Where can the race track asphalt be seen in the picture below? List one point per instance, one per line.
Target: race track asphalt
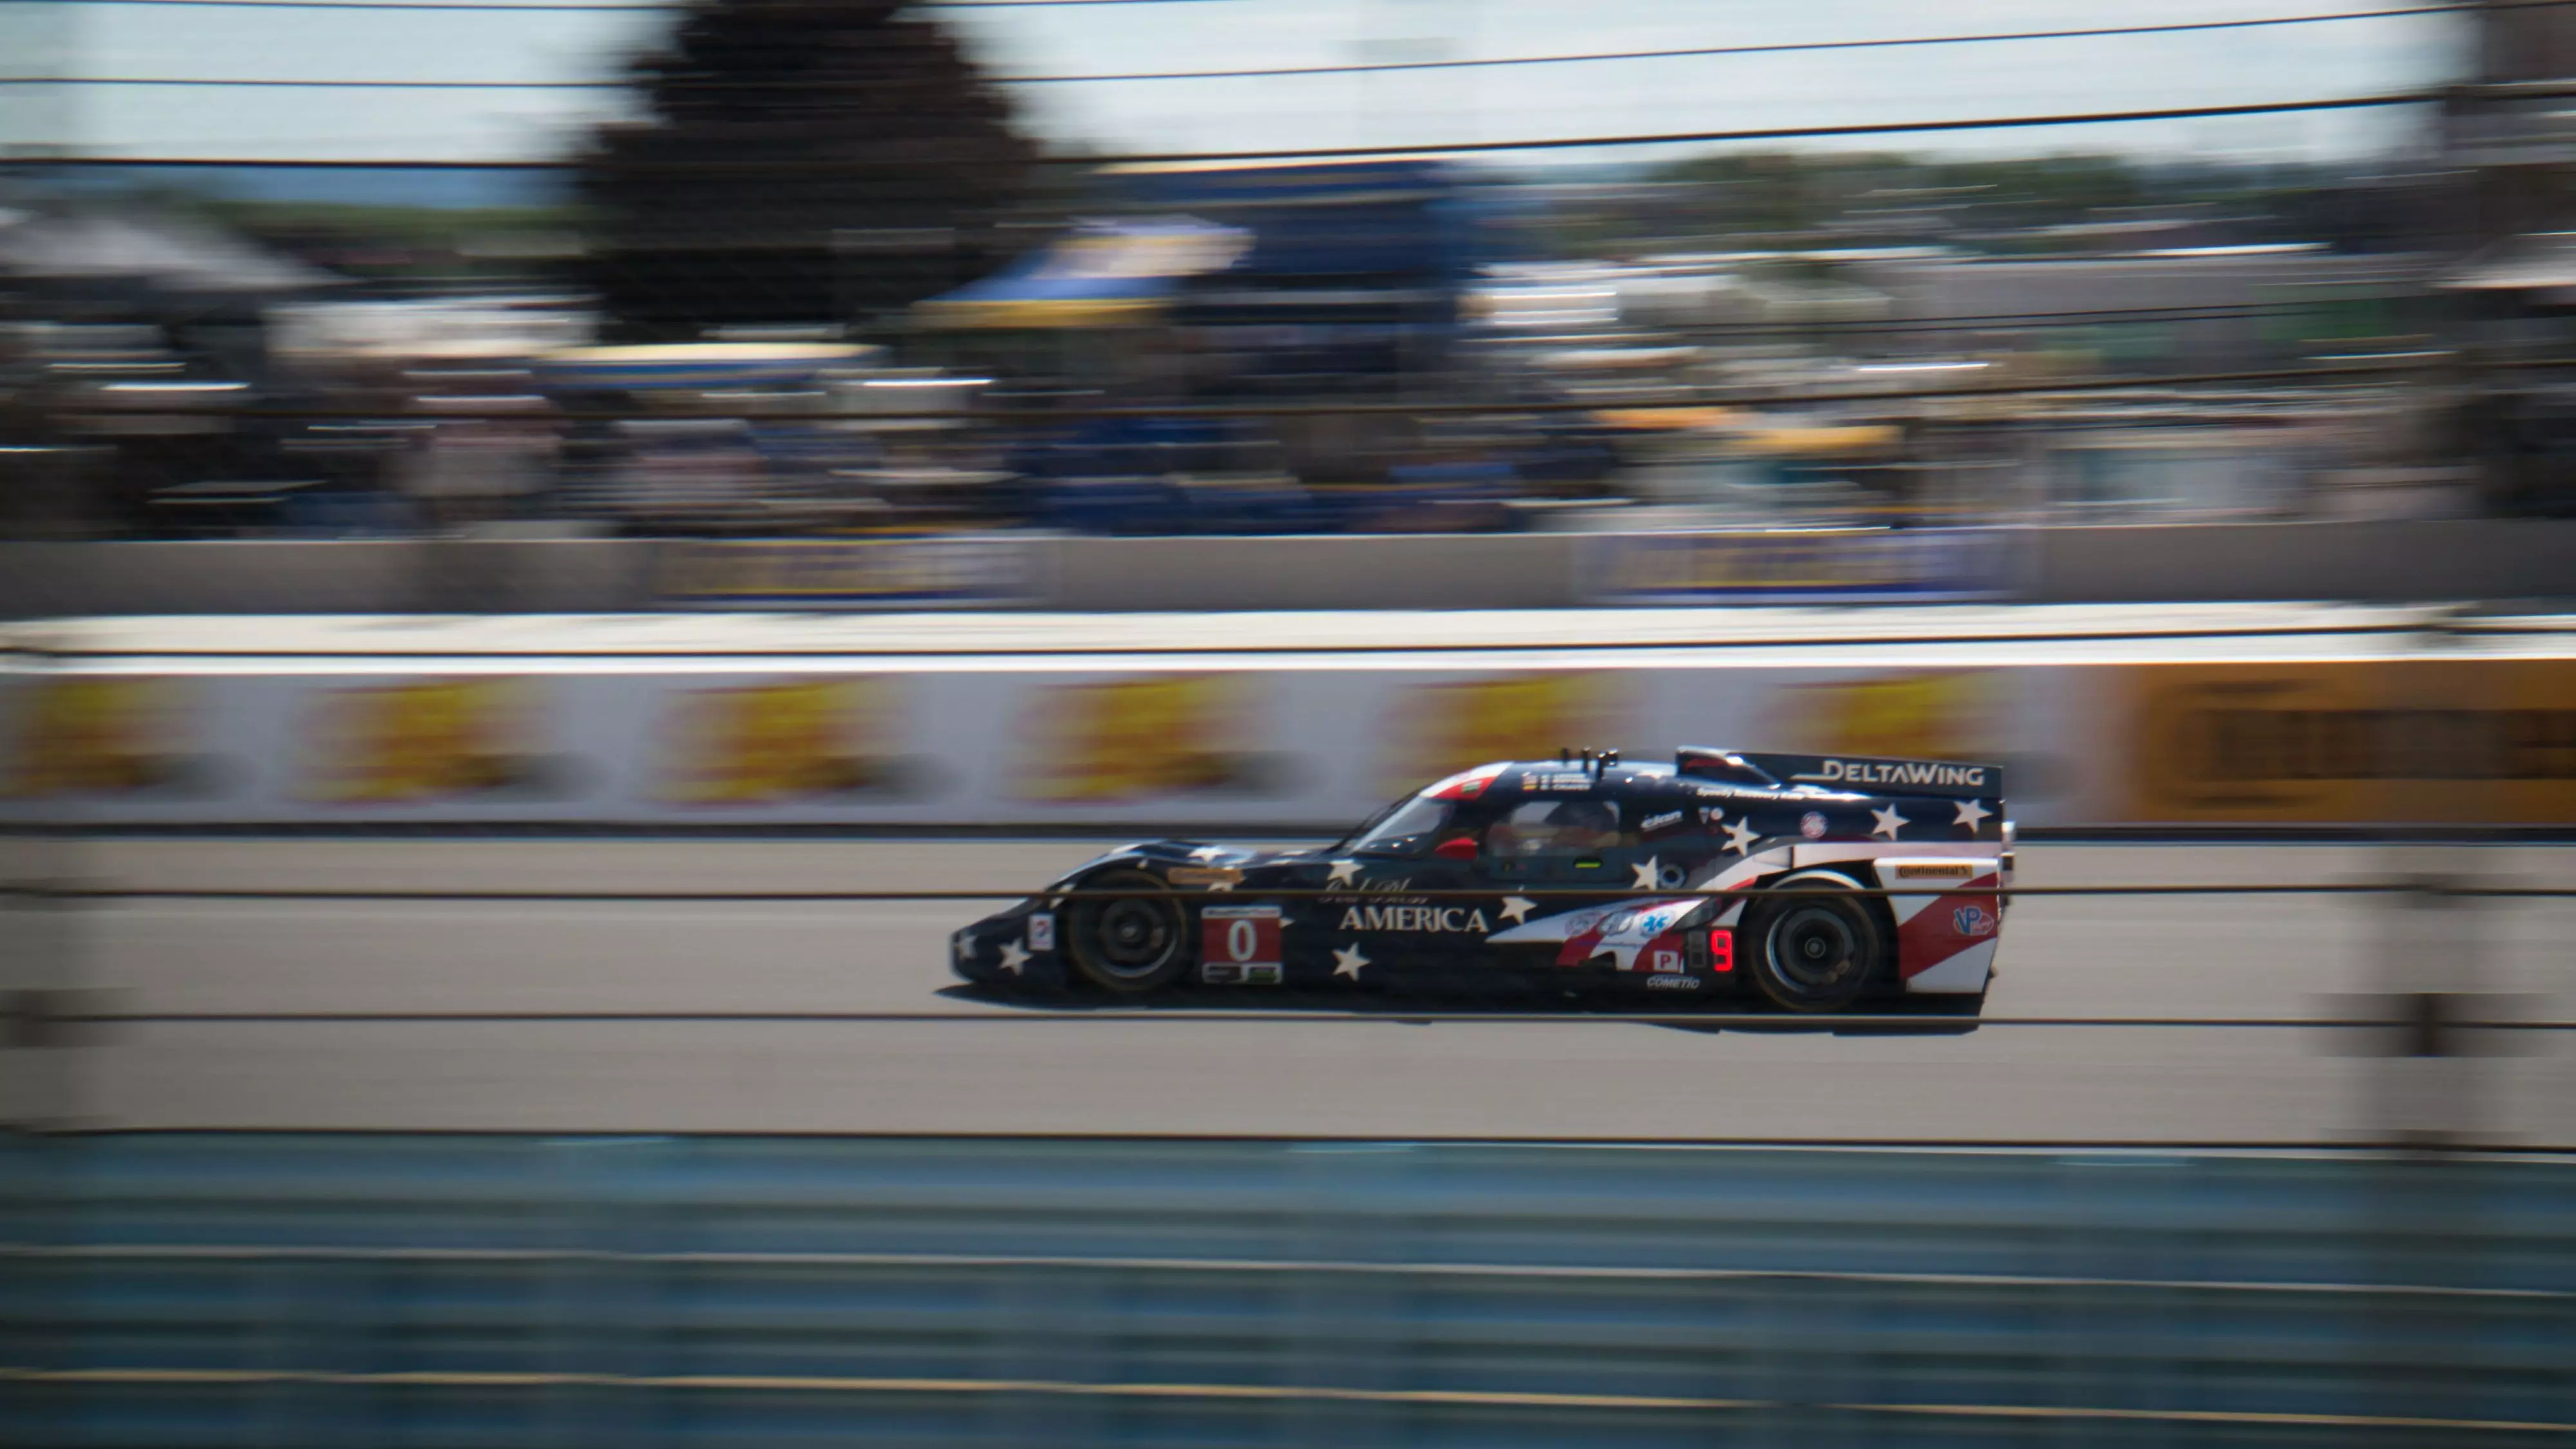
(1341, 1069)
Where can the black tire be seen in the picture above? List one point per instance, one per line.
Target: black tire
(1128, 945)
(1819, 954)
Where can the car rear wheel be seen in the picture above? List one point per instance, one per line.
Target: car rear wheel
(1128, 944)
(1816, 952)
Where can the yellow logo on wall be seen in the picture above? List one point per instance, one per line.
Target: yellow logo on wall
(102, 735)
(762, 744)
(387, 744)
(1440, 729)
(2475, 741)
(1945, 714)
(1158, 734)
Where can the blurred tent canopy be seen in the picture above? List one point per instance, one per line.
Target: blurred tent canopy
(95, 249)
(1105, 274)
(803, 161)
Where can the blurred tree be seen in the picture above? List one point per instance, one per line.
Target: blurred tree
(804, 161)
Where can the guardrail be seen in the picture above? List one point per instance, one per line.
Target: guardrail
(264, 1290)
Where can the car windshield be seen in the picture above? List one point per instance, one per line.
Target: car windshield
(1403, 828)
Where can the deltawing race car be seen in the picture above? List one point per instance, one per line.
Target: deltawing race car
(1571, 873)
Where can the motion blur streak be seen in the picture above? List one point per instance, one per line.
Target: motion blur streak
(754, 1287)
(2105, 958)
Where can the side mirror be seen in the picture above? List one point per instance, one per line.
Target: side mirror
(1460, 848)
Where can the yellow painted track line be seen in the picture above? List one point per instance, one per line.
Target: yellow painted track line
(1449, 1398)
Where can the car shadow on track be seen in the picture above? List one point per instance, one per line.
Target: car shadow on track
(1909, 1017)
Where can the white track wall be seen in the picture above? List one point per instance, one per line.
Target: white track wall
(1302, 742)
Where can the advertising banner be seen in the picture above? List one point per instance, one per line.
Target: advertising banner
(1839, 565)
(910, 571)
(1305, 745)
(2461, 741)
(129, 736)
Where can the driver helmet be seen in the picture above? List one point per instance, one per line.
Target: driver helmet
(1582, 821)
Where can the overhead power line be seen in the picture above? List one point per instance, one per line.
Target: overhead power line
(1785, 48)
(1334, 153)
(1265, 72)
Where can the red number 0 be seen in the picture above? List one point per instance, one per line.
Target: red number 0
(1241, 935)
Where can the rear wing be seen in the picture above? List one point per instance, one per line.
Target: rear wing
(1950, 779)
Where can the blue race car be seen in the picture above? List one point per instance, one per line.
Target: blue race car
(1577, 872)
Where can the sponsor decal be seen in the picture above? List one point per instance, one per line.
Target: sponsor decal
(2486, 741)
(1816, 564)
(1466, 786)
(1960, 871)
(1711, 814)
(1668, 960)
(1973, 921)
(1553, 782)
(1041, 931)
(1437, 920)
(780, 742)
(106, 735)
(1434, 730)
(1138, 737)
(1203, 875)
(1665, 821)
(1672, 983)
(1344, 890)
(1812, 825)
(1894, 772)
(425, 742)
(1239, 945)
(849, 572)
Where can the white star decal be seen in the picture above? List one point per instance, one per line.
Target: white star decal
(1889, 822)
(1207, 852)
(1739, 838)
(1515, 909)
(1345, 872)
(1347, 961)
(1649, 873)
(1972, 813)
(1014, 956)
(1226, 884)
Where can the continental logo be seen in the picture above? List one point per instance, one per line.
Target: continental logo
(1935, 872)
(1147, 735)
(425, 741)
(1896, 772)
(780, 741)
(102, 735)
(2445, 740)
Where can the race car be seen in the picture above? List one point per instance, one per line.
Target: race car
(1565, 874)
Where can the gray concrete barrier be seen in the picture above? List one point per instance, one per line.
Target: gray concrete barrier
(2365, 562)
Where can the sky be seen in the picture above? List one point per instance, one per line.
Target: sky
(100, 38)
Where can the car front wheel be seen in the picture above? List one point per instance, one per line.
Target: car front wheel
(1815, 949)
(1127, 944)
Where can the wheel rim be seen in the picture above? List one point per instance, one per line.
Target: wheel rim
(1133, 937)
(1812, 948)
